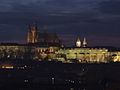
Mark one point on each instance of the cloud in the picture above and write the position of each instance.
(73, 17)
(110, 7)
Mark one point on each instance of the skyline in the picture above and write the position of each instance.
(97, 20)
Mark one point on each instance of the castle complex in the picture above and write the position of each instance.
(47, 46)
(35, 36)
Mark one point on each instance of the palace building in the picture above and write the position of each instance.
(47, 46)
(81, 53)
(40, 45)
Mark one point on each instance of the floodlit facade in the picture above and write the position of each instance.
(87, 55)
(55, 52)
(47, 46)
(36, 36)
(83, 54)
(78, 43)
(26, 51)
(40, 45)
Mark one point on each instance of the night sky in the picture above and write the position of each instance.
(97, 20)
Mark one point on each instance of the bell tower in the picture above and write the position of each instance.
(78, 43)
(34, 32)
(29, 34)
(84, 42)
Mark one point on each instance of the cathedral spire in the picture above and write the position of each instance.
(84, 42)
(34, 33)
(78, 43)
(29, 34)
(35, 26)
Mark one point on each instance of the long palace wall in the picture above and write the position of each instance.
(66, 55)
(26, 52)
(87, 55)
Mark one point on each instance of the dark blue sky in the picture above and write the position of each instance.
(97, 20)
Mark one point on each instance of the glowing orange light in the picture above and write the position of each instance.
(7, 67)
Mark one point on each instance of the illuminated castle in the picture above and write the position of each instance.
(47, 46)
(35, 36)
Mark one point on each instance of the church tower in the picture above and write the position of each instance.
(29, 35)
(34, 32)
(78, 43)
(84, 42)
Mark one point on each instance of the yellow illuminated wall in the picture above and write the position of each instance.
(68, 55)
(87, 55)
(27, 52)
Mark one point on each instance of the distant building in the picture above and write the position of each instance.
(40, 45)
(47, 46)
(78, 43)
(27, 51)
(88, 54)
(36, 36)
(75, 54)
(84, 42)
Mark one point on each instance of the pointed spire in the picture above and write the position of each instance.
(34, 33)
(78, 43)
(35, 26)
(29, 27)
(29, 34)
(84, 42)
